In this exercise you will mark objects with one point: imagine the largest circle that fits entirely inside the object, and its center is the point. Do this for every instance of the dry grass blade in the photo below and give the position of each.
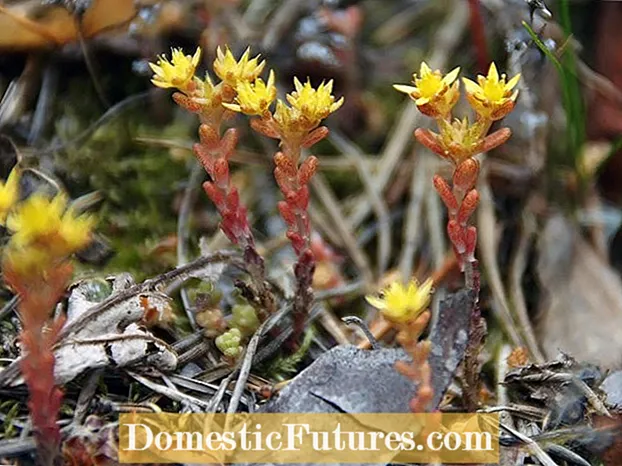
(531, 445)
(413, 226)
(486, 225)
(194, 403)
(353, 153)
(280, 22)
(197, 175)
(517, 269)
(325, 194)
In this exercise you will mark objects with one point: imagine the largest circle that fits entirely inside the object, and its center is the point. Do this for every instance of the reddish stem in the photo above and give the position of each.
(478, 35)
(38, 295)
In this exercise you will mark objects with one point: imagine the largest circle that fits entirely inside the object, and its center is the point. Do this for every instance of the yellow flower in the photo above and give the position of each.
(76, 230)
(288, 119)
(205, 97)
(399, 303)
(9, 192)
(314, 104)
(434, 94)
(254, 98)
(178, 72)
(46, 224)
(233, 71)
(460, 139)
(492, 98)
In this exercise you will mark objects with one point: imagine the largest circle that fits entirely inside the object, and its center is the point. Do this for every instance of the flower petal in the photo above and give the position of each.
(337, 104)
(451, 76)
(234, 107)
(161, 84)
(493, 74)
(425, 69)
(427, 287)
(512, 82)
(471, 87)
(405, 89)
(378, 303)
(196, 57)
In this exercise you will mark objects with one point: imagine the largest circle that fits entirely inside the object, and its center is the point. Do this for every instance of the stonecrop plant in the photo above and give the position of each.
(295, 122)
(44, 233)
(458, 141)
(406, 309)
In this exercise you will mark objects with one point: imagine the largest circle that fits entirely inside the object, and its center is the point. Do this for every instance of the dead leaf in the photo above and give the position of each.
(32, 25)
(581, 307)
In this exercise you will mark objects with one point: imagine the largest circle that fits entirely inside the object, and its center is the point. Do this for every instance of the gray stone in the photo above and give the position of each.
(612, 387)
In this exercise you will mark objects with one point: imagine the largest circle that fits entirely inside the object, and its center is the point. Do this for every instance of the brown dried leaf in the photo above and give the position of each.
(31, 25)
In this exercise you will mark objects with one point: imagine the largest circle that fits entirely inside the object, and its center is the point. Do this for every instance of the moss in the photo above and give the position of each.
(138, 183)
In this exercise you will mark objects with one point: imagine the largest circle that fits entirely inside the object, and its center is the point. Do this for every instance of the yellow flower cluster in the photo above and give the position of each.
(44, 231)
(178, 72)
(307, 107)
(403, 303)
(242, 90)
(492, 98)
(203, 96)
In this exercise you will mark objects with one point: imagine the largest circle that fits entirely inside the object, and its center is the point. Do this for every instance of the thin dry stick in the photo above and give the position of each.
(597, 229)
(334, 326)
(329, 233)
(325, 194)
(502, 391)
(446, 40)
(197, 174)
(244, 368)
(375, 199)
(257, 12)
(517, 270)
(487, 246)
(179, 273)
(531, 445)
(249, 157)
(172, 393)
